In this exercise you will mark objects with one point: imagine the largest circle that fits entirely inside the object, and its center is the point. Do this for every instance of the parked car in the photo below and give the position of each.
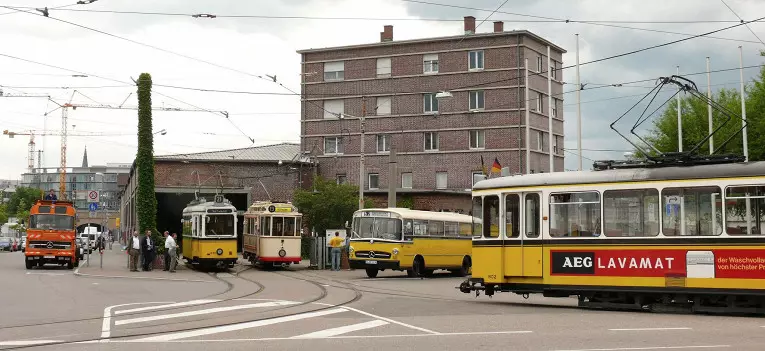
(23, 243)
(80, 249)
(5, 244)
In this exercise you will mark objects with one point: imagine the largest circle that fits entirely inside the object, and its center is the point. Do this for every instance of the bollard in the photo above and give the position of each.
(101, 251)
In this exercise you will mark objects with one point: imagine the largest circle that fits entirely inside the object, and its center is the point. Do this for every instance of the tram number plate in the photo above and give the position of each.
(370, 262)
(49, 256)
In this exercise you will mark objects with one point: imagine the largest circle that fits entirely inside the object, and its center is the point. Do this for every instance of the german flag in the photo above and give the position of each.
(496, 167)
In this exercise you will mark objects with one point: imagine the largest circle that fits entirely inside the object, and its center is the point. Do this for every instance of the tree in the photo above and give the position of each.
(146, 200)
(3, 214)
(20, 202)
(329, 205)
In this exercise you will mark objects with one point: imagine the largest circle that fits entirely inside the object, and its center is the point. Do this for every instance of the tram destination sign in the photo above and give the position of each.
(219, 210)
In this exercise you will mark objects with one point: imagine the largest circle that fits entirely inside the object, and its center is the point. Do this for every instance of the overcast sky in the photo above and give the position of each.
(258, 46)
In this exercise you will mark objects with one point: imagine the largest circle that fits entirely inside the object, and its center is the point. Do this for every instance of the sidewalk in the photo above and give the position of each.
(115, 265)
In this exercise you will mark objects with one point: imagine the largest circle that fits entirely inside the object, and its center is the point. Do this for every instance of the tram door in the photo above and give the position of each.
(532, 239)
(513, 241)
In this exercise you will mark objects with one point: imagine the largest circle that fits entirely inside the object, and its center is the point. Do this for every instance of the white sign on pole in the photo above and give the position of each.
(93, 196)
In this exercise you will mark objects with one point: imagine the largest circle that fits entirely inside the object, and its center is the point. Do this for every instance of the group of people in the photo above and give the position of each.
(145, 248)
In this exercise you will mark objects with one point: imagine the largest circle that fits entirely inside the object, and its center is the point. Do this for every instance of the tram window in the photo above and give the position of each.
(512, 215)
(220, 225)
(265, 226)
(277, 226)
(435, 228)
(299, 226)
(633, 212)
(477, 213)
(451, 229)
(575, 214)
(737, 200)
(532, 215)
(289, 226)
(698, 209)
(491, 216)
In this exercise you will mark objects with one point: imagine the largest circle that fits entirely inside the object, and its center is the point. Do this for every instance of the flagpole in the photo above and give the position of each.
(528, 101)
(549, 112)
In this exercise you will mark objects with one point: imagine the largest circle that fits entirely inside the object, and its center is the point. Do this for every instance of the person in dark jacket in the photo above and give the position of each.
(51, 196)
(147, 250)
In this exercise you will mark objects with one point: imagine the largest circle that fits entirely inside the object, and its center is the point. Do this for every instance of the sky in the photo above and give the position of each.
(264, 39)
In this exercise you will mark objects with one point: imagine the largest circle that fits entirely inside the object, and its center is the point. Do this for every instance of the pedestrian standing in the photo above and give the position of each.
(337, 246)
(134, 248)
(166, 256)
(172, 249)
(148, 251)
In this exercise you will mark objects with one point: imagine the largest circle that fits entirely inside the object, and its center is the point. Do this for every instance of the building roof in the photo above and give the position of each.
(435, 39)
(286, 152)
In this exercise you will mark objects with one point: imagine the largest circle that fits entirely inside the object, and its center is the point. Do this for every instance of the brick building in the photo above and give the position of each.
(438, 142)
(242, 175)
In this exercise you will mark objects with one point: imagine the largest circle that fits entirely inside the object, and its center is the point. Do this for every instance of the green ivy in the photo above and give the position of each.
(146, 200)
(405, 201)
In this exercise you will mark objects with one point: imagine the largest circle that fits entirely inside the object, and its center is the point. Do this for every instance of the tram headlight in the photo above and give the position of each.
(395, 251)
(219, 252)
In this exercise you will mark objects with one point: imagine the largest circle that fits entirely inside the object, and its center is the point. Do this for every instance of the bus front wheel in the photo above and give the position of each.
(372, 272)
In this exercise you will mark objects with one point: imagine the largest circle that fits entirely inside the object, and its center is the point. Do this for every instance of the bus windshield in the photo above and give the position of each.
(377, 227)
(51, 222)
(222, 224)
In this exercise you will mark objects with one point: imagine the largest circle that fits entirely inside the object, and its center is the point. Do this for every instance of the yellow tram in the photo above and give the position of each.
(272, 234)
(689, 238)
(209, 233)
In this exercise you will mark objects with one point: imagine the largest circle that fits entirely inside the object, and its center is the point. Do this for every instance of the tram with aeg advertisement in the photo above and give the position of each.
(418, 242)
(689, 238)
(272, 234)
(209, 233)
(51, 235)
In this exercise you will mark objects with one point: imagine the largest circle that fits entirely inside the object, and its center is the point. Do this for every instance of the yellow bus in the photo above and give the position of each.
(418, 242)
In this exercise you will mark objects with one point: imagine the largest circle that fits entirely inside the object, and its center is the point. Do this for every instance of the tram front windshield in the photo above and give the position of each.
(377, 228)
(220, 225)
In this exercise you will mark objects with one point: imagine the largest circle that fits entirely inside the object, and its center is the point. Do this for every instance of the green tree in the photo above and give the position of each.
(329, 205)
(146, 200)
(3, 214)
(20, 202)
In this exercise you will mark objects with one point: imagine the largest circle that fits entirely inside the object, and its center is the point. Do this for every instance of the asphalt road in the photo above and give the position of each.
(249, 309)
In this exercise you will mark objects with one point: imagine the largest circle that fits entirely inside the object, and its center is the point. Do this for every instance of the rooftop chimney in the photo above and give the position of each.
(499, 27)
(469, 24)
(387, 33)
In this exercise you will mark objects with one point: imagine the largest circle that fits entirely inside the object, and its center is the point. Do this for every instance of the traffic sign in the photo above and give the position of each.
(93, 196)
(93, 206)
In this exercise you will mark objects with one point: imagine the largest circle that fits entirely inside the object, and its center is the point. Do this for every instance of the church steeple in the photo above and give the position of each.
(85, 158)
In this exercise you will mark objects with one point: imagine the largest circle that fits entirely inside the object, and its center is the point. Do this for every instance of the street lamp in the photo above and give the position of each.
(443, 95)
(161, 132)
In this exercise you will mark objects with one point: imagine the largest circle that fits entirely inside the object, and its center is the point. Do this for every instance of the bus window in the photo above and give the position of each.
(477, 213)
(491, 216)
(466, 229)
(435, 228)
(408, 230)
(451, 229)
(420, 227)
(265, 226)
(532, 215)
(512, 215)
(575, 214)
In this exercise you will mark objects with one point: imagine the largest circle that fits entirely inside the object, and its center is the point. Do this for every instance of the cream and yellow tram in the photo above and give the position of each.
(209, 233)
(675, 237)
(272, 234)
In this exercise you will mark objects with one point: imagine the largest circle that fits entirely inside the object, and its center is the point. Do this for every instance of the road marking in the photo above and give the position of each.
(41, 273)
(655, 348)
(240, 326)
(333, 337)
(650, 329)
(106, 325)
(27, 342)
(341, 330)
(207, 311)
(171, 305)
(225, 275)
(393, 321)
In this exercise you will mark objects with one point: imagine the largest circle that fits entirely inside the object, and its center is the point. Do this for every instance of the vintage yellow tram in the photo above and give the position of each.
(687, 237)
(272, 234)
(209, 233)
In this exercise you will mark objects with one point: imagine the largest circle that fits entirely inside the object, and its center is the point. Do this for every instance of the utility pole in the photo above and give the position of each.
(743, 106)
(361, 156)
(550, 103)
(393, 175)
(578, 106)
(528, 101)
(709, 109)
(679, 119)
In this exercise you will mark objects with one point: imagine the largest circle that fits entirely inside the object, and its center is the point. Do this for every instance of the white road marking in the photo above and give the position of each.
(341, 330)
(27, 342)
(106, 325)
(650, 329)
(655, 348)
(240, 326)
(332, 337)
(206, 311)
(171, 305)
(393, 321)
(41, 273)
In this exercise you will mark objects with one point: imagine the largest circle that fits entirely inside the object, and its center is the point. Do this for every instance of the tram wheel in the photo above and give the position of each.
(372, 272)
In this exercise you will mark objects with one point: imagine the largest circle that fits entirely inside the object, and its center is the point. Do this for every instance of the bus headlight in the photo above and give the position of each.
(395, 251)
(351, 249)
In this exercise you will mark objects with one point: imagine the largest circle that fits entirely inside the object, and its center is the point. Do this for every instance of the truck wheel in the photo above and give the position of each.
(70, 265)
(29, 264)
(372, 272)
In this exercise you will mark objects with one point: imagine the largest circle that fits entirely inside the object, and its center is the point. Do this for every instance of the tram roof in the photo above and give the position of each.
(729, 170)
(417, 214)
(203, 206)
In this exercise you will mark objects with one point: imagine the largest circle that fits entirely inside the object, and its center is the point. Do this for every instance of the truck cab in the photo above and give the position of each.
(51, 234)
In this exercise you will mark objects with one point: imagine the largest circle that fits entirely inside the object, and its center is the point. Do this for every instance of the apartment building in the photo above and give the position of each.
(442, 104)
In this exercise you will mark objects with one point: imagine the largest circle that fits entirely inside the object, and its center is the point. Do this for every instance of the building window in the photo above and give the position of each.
(374, 181)
(539, 63)
(540, 140)
(383, 143)
(555, 145)
(476, 100)
(554, 108)
(333, 145)
(477, 139)
(333, 108)
(477, 176)
(538, 102)
(441, 180)
(383, 67)
(431, 141)
(334, 70)
(476, 59)
(342, 179)
(383, 105)
(430, 63)
(406, 180)
(430, 103)
(553, 72)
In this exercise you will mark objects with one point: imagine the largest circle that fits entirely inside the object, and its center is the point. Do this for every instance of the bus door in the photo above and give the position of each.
(531, 241)
(513, 241)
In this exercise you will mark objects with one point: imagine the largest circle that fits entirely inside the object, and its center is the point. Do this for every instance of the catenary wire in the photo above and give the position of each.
(742, 20)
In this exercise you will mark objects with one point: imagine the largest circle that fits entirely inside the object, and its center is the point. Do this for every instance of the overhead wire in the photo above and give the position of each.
(742, 20)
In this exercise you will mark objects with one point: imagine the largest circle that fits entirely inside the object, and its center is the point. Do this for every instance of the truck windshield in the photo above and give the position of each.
(220, 225)
(51, 222)
(378, 228)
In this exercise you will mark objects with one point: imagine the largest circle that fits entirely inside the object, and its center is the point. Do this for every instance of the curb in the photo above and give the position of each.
(77, 273)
